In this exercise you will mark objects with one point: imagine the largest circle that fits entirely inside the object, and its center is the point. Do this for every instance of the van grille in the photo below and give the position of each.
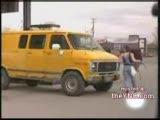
(107, 66)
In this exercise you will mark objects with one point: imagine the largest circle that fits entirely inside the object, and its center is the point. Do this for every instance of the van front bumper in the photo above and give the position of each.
(103, 77)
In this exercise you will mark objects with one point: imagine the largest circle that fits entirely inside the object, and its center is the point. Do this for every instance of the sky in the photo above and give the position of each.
(113, 19)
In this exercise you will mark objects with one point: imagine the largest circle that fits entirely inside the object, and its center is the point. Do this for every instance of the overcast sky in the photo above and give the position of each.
(113, 19)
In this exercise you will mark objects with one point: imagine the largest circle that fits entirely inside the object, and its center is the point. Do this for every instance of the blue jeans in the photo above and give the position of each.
(129, 80)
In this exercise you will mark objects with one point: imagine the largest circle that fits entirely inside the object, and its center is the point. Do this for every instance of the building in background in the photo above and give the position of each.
(119, 45)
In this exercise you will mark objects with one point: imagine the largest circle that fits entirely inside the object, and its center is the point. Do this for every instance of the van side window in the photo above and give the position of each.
(59, 39)
(23, 41)
(37, 42)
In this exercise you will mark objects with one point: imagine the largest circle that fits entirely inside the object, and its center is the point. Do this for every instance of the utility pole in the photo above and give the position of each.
(93, 21)
(26, 14)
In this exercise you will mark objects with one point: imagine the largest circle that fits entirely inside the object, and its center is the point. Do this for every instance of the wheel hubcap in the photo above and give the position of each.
(71, 84)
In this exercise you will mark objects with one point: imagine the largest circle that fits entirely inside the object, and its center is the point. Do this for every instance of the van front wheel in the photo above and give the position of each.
(5, 80)
(73, 84)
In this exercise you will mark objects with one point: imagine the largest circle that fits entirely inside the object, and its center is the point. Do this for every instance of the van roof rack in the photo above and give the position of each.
(45, 25)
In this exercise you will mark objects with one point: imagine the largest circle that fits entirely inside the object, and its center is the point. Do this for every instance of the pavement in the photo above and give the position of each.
(21, 101)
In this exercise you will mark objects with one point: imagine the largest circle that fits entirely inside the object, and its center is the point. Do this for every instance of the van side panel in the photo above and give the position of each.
(11, 58)
(9, 42)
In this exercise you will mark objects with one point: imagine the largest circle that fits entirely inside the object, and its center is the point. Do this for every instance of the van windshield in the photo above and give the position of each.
(83, 42)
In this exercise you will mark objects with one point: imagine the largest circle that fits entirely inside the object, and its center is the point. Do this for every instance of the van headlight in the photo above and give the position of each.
(93, 66)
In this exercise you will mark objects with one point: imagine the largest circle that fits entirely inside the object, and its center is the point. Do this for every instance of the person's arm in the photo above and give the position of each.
(134, 59)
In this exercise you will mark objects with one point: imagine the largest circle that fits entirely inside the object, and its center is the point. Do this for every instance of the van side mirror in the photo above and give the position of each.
(56, 46)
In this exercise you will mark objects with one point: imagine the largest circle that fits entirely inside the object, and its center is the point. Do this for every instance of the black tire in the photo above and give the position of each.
(103, 86)
(73, 83)
(5, 80)
(31, 83)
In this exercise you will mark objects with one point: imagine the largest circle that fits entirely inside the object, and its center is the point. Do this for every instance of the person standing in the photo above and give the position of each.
(128, 60)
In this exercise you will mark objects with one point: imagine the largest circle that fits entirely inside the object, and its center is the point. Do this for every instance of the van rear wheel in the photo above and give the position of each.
(5, 80)
(103, 86)
(32, 83)
(73, 84)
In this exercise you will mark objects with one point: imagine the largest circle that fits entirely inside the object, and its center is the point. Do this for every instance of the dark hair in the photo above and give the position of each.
(128, 49)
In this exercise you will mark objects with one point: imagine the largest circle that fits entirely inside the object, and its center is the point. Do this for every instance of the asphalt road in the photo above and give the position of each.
(50, 102)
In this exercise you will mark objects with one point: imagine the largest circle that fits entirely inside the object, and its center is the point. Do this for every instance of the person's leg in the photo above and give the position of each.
(133, 80)
(127, 79)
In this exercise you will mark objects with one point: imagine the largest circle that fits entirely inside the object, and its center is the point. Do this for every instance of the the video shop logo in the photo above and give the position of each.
(134, 98)
(133, 93)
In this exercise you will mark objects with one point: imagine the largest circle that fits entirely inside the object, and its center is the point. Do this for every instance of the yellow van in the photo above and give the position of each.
(72, 59)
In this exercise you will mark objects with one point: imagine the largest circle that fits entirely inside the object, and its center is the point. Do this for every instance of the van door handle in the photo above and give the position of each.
(29, 53)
